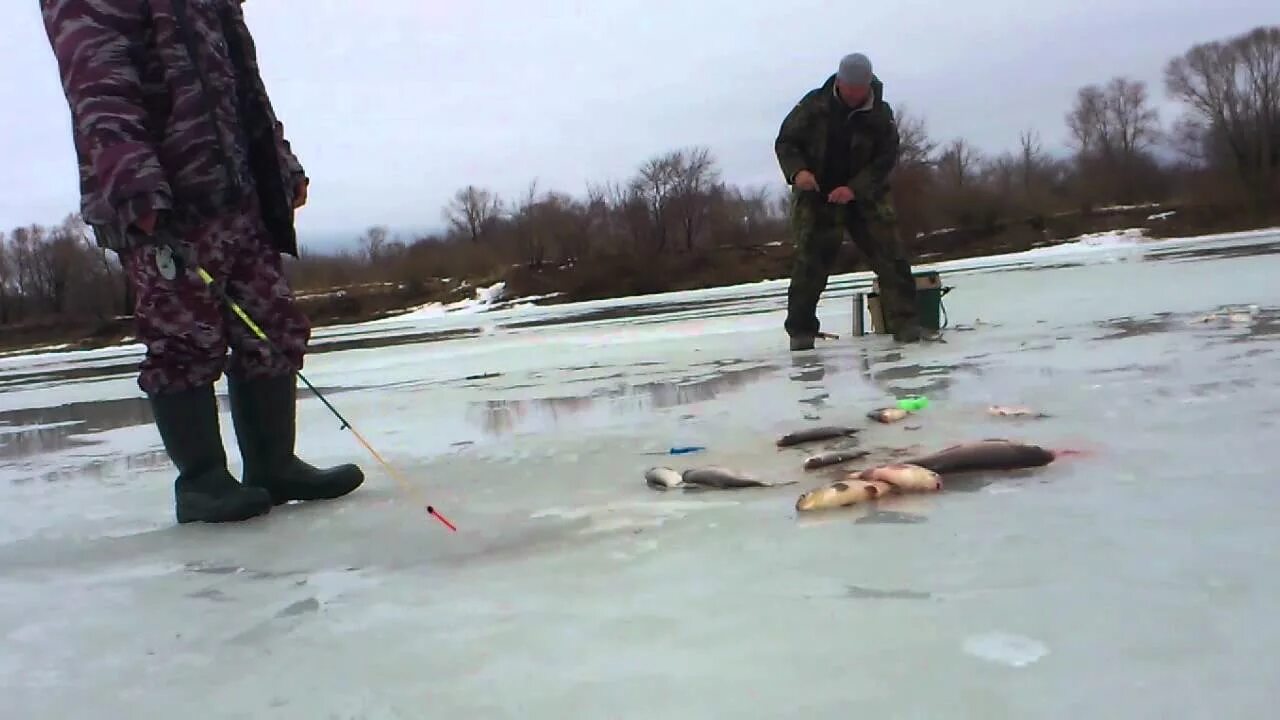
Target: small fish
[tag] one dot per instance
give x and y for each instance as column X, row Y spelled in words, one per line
column 836, row 457
column 662, row 478
column 842, row 494
column 723, row 478
column 1014, row 411
column 903, row 477
column 888, row 415
column 814, row 434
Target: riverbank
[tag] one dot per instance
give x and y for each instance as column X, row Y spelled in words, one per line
column 608, row 276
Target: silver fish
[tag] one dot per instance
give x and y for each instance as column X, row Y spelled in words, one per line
column 724, row 478
column 835, row 457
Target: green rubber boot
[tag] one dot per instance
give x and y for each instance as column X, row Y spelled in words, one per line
column 264, row 412
column 204, row 490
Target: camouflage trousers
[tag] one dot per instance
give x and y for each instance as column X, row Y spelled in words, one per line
column 819, row 229
column 188, row 330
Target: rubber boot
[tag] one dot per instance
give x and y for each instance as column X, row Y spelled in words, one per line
column 801, row 342
column 204, row 490
column 265, row 412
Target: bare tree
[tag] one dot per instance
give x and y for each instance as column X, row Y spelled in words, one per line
column 6, row 280
column 1136, row 125
column 531, row 233
column 1030, row 159
column 958, row 163
column 914, row 146
column 696, row 181
column 1232, row 91
column 373, row 244
column 1088, row 121
column 472, row 212
column 656, row 185
column 1113, row 129
column 1002, row 173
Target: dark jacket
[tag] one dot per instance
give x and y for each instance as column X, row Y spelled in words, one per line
column 873, row 139
column 169, row 114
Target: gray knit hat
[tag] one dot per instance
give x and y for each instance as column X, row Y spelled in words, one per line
column 855, row 69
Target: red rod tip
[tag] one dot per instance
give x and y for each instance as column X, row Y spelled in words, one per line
column 432, row 511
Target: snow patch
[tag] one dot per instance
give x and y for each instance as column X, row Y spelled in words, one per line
column 484, row 300
column 1005, row 649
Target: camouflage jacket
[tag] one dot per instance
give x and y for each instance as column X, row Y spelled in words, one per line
column 802, row 139
column 169, row 114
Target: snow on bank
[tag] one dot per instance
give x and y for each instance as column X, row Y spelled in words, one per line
column 486, row 299
column 34, row 359
column 1130, row 237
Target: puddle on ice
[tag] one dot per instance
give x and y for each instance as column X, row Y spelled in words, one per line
column 612, row 517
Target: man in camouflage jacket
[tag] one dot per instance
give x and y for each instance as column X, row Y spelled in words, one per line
column 836, row 149
column 181, row 155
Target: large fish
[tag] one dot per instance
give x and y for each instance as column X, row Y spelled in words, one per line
column 903, row 477
column 723, row 478
column 842, row 494
column 993, row 454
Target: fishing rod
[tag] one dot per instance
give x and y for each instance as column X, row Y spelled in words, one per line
column 184, row 258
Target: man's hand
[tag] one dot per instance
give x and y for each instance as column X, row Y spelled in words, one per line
column 806, row 181
column 841, row 195
column 300, row 193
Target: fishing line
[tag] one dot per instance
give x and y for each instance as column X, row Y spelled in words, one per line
column 257, row 331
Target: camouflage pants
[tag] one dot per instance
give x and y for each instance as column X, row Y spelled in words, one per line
column 818, row 228
column 187, row 329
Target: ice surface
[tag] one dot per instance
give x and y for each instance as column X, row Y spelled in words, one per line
column 1131, row 581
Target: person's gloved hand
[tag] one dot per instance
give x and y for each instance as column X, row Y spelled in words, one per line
column 841, row 195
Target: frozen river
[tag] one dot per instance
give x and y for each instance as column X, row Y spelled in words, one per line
column 1136, row 581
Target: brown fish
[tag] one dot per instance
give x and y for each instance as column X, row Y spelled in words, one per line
column 815, row 434
column 842, row 494
column 993, row 454
column 903, row 477
column 1014, row 411
column 888, row 415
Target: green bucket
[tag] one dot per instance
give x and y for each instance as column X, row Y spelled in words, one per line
column 929, row 293
column 929, row 301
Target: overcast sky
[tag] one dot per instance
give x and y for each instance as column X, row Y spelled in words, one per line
column 392, row 105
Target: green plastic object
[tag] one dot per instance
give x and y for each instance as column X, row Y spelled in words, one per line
column 913, row 403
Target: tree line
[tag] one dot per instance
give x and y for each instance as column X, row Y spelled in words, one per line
column 677, row 215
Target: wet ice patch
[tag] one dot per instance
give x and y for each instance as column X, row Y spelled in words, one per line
column 1005, row 649
column 612, row 517
column 640, row 548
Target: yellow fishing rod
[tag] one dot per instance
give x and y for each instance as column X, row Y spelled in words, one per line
column 209, row 282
